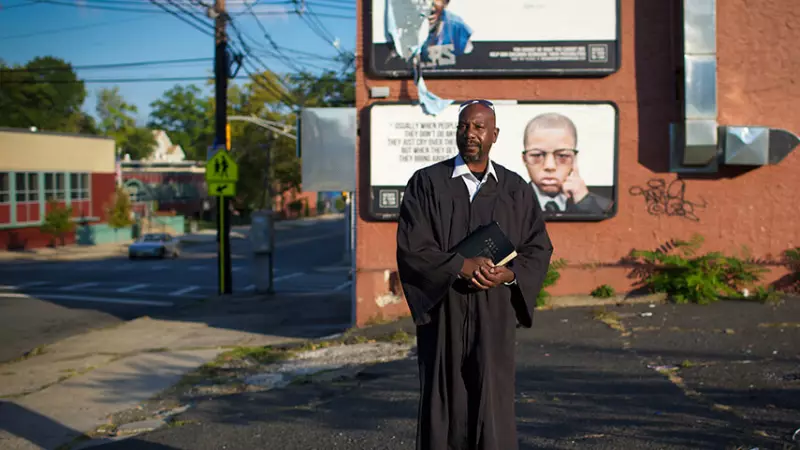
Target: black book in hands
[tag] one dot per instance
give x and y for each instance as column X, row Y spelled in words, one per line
column 488, row 241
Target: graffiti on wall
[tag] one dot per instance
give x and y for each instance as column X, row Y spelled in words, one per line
column 664, row 199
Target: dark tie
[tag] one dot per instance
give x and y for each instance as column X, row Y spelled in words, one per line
column 551, row 206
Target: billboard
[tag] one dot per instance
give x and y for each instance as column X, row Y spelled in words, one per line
column 326, row 145
column 567, row 152
column 503, row 37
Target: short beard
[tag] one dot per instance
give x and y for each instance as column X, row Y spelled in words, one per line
column 471, row 158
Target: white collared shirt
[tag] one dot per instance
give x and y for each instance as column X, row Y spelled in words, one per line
column 473, row 183
column 560, row 199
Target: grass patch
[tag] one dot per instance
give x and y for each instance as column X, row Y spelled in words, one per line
column 611, row 319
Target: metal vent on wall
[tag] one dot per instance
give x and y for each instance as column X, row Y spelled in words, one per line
column 698, row 144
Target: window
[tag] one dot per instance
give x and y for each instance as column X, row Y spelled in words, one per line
column 5, row 188
column 27, row 187
column 54, row 186
column 79, row 186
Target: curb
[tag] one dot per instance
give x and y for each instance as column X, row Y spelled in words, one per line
column 577, row 301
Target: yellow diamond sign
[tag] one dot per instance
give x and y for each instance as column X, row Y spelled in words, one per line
column 221, row 168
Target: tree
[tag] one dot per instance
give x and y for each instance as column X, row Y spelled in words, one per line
column 188, row 119
column 117, row 121
column 44, row 93
column 329, row 89
column 119, row 210
column 57, row 222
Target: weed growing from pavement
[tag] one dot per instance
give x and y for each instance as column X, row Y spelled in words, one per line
column 604, row 291
column 550, row 279
column 611, row 319
column 688, row 278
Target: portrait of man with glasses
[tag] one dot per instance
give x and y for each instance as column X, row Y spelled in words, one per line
column 550, row 155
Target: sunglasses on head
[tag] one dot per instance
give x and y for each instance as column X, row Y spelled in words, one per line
column 486, row 103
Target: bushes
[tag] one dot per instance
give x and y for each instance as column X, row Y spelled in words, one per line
column 686, row 277
column 604, row 291
column 550, row 279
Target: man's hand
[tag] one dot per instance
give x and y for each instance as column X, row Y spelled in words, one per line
column 574, row 186
column 489, row 277
column 472, row 266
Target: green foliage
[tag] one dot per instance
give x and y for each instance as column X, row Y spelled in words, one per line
column 329, row 89
column 188, row 119
column 58, row 221
column 791, row 282
column 550, row 279
column 604, row 291
column 340, row 204
column 117, row 120
column 766, row 295
column 44, row 93
column 687, row 277
column 119, row 211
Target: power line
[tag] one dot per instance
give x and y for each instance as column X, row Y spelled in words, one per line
column 102, row 7
column 18, row 5
column 111, row 66
column 118, row 80
column 182, row 19
column 66, row 29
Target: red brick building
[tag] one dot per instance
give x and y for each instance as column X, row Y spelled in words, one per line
column 74, row 170
column 757, row 65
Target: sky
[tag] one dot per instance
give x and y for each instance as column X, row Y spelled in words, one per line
column 102, row 32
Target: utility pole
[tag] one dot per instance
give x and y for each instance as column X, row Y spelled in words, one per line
column 221, row 72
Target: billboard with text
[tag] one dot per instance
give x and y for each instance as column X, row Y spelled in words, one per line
column 502, row 37
column 567, row 152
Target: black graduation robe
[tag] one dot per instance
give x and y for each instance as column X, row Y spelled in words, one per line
column 466, row 336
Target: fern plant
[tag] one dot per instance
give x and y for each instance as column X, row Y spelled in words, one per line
column 686, row 277
column 550, row 279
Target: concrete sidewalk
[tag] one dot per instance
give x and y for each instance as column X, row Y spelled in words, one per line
column 723, row 376
column 72, row 387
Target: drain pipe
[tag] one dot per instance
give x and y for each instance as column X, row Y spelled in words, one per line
column 699, row 144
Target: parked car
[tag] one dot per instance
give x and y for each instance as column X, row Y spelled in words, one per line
column 154, row 245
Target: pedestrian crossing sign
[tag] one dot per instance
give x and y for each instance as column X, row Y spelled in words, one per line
column 222, row 189
column 221, row 168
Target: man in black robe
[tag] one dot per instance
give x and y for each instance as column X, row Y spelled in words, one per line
column 466, row 310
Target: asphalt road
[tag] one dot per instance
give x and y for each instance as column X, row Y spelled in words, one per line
column 723, row 376
column 42, row 302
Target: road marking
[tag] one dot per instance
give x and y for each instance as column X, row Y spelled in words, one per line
column 342, row 286
column 308, row 239
column 90, row 299
column 286, row 277
column 132, row 288
column 196, row 268
column 32, row 284
column 185, row 290
column 252, row 287
column 78, row 286
column 158, row 267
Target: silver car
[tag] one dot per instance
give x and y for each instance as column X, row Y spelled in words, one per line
column 154, row 245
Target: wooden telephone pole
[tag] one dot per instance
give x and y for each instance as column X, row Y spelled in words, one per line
column 221, row 73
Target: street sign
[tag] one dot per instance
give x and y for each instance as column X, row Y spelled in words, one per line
column 221, row 168
column 222, row 189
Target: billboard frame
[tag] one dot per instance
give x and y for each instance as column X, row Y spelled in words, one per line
column 370, row 213
column 488, row 73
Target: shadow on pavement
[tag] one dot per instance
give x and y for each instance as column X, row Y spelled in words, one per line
column 579, row 384
column 43, row 432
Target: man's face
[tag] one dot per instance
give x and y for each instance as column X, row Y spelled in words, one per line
column 549, row 159
column 437, row 8
column 476, row 133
